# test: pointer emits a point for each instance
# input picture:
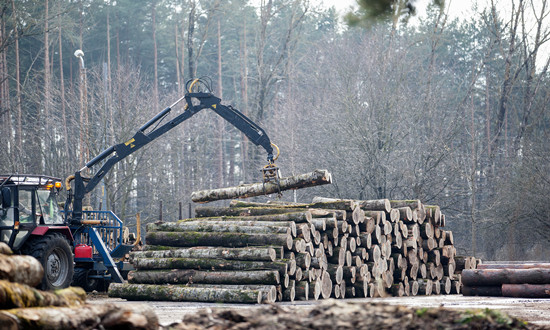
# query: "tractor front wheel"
(82, 278)
(54, 253)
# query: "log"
(326, 285)
(505, 265)
(249, 227)
(21, 269)
(405, 214)
(245, 253)
(526, 290)
(378, 216)
(489, 277)
(315, 289)
(446, 285)
(5, 249)
(289, 294)
(375, 205)
(184, 293)
(90, 316)
(211, 213)
(206, 277)
(302, 290)
(491, 291)
(183, 239)
(398, 290)
(412, 203)
(17, 295)
(212, 264)
(270, 292)
(315, 178)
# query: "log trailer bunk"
(86, 243)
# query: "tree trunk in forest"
(19, 130)
(206, 277)
(62, 87)
(155, 56)
(217, 239)
(246, 253)
(47, 78)
(315, 178)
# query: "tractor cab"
(27, 203)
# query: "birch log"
(315, 178)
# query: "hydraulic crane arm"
(196, 101)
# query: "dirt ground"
(534, 311)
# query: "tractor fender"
(63, 230)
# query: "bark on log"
(183, 239)
(91, 316)
(21, 269)
(302, 290)
(206, 277)
(211, 213)
(504, 265)
(184, 293)
(5, 249)
(245, 254)
(17, 295)
(490, 291)
(526, 290)
(211, 264)
(315, 178)
(375, 205)
(412, 203)
(243, 226)
(488, 277)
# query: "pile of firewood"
(508, 279)
(264, 252)
(24, 307)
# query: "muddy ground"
(534, 311)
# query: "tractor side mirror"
(6, 198)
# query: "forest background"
(448, 110)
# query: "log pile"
(264, 252)
(522, 280)
(24, 307)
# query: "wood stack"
(24, 307)
(264, 252)
(508, 279)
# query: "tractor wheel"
(82, 279)
(55, 255)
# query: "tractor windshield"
(47, 207)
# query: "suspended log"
(183, 239)
(21, 269)
(179, 276)
(17, 295)
(90, 316)
(488, 277)
(315, 178)
(184, 293)
(526, 290)
(245, 253)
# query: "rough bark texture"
(21, 269)
(489, 277)
(106, 316)
(16, 295)
(315, 178)
(190, 239)
(184, 293)
(205, 277)
(246, 253)
(211, 264)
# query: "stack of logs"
(264, 252)
(508, 279)
(24, 307)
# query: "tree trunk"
(90, 316)
(302, 290)
(522, 265)
(206, 277)
(21, 269)
(488, 277)
(315, 178)
(233, 226)
(526, 290)
(16, 295)
(252, 214)
(245, 254)
(190, 239)
(210, 264)
(491, 291)
(184, 293)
